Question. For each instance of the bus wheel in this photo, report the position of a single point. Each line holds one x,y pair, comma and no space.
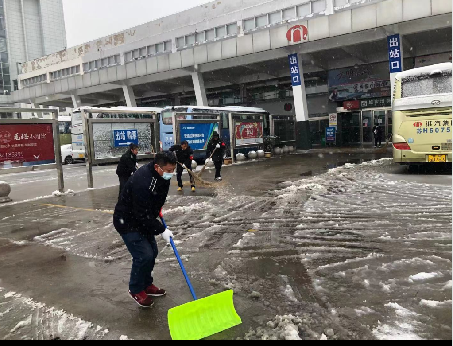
69,160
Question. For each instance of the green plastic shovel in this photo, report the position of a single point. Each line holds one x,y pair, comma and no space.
202,317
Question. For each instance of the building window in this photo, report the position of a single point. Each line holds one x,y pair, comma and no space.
180,42
275,17
261,21
190,40
143,53
160,48
151,50
167,46
199,37
340,3
249,24
210,35
112,60
318,6
232,29
220,32
289,13
304,10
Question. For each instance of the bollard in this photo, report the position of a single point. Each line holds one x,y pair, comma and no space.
240,157
5,190
252,155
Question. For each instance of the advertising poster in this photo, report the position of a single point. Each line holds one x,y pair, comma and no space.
360,82
29,144
198,135
249,133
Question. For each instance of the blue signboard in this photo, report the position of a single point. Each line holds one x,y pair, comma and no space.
124,138
198,135
395,54
331,134
295,71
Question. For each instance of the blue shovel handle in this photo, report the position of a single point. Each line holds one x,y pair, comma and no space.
180,263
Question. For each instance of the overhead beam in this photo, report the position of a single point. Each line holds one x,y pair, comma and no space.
314,62
354,52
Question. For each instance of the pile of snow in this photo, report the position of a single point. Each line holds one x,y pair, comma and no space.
59,194
48,323
290,327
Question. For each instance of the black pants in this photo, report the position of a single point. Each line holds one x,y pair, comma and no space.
179,171
144,252
123,181
218,168
377,140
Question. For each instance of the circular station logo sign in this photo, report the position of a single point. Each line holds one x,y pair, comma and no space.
298,33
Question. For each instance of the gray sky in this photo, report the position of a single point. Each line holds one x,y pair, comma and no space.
87,20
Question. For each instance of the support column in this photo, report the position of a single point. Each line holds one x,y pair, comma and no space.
76,101
200,90
303,139
177,100
129,96
243,91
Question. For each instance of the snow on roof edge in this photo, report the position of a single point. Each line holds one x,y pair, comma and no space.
424,70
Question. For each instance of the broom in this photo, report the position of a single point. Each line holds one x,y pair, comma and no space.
196,177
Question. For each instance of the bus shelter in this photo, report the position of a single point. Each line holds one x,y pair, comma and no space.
31,143
196,128
246,131
108,132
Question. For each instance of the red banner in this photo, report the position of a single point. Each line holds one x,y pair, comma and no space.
249,133
26,143
350,105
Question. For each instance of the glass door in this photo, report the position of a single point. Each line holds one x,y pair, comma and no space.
350,128
367,126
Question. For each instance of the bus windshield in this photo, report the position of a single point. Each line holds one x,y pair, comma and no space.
427,84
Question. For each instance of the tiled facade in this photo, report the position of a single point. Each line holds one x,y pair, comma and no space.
34,28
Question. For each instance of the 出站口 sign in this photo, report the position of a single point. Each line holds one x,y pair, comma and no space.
27,143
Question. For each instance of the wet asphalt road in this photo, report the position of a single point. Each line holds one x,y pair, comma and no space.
359,252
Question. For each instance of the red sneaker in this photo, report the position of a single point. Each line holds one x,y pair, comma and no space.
142,299
154,291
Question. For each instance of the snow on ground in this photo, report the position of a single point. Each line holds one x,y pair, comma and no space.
386,248
26,319
350,254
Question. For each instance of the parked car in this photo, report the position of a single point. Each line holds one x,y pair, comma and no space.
69,156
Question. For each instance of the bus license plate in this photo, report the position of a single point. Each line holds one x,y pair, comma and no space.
81,156
437,158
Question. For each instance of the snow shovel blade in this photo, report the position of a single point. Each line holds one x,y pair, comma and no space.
204,317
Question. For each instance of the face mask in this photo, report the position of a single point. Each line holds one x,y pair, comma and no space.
167,176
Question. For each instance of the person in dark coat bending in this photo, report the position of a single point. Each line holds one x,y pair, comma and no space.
184,155
127,165
216,148
135,219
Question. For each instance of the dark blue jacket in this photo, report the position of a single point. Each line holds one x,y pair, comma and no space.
140,203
